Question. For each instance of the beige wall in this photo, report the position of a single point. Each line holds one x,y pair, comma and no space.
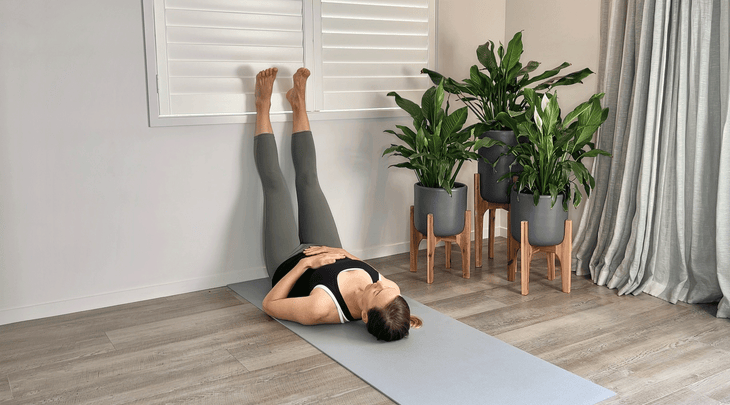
557,31
99,209
464,25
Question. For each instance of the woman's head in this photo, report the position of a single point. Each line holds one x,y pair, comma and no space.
393,321
378,294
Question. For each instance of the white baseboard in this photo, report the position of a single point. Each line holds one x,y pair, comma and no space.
387,250
104,300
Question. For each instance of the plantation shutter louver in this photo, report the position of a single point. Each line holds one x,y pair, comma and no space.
203,56
371,47
209,51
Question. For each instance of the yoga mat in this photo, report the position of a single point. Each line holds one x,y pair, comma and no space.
444,362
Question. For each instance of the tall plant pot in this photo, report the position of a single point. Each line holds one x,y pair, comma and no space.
547,225
448,210
490,188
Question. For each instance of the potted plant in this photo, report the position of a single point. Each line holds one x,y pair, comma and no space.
435,149
498,87
551,152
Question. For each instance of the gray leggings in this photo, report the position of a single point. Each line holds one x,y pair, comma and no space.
282,240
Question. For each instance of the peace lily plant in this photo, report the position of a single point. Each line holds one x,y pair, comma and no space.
551,150
499,84
437,145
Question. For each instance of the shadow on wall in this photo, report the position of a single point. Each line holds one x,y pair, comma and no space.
242,250
374,223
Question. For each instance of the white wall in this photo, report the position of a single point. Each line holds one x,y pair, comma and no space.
98,209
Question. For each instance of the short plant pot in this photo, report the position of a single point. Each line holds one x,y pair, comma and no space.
448,210
546,224
491,189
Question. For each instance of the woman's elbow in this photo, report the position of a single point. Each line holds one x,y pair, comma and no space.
267,307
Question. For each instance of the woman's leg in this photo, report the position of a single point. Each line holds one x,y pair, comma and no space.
280,229
316,223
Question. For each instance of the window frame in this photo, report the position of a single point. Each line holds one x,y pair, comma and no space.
311,14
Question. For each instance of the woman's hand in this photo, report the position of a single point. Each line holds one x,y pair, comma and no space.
318,250
317,260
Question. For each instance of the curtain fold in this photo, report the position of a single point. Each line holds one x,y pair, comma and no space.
659,218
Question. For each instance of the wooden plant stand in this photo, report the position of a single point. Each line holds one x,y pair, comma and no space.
480,207
463,240
563,251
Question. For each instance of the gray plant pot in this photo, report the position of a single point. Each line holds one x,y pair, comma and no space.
546,225
491,189
448,210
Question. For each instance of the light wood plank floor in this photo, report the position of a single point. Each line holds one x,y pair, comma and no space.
211,347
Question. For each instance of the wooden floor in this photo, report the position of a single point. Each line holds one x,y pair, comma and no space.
211,347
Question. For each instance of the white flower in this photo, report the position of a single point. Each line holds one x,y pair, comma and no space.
543,106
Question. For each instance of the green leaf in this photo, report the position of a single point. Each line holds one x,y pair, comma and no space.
593,153
513,72
513,53
508,121
548,73
435,77
573,78
408,106
454,122
410,135
580,109
421,140
439,101
530,67
485,56
475,79
427,104
553,194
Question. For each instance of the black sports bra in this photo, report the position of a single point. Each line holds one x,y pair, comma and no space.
325,278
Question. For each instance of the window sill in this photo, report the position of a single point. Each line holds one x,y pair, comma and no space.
250,118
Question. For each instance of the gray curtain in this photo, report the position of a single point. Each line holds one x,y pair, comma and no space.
659,219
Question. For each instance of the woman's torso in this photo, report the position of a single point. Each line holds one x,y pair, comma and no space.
334,279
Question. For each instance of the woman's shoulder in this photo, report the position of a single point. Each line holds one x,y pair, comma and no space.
323,308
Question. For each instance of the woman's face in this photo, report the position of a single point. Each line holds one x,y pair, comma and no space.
380,294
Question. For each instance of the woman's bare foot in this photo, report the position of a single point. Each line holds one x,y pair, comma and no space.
296,95
264,87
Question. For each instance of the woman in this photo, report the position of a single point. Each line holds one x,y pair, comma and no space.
314,280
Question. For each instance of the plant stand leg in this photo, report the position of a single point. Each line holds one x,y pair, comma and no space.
478,222
431,250
551,266
464,242
564,252
512,248
416,238
492,213
447,253
525,258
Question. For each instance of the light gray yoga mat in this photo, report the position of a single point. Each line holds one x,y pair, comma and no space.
444,362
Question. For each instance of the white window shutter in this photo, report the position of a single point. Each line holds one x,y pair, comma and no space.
209,51
371,47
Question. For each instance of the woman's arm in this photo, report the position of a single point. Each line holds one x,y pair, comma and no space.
316,250
308,310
